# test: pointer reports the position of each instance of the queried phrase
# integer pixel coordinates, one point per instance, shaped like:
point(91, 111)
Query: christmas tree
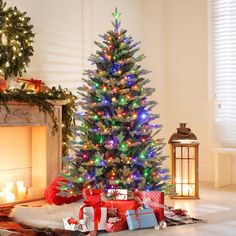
point(116, 145)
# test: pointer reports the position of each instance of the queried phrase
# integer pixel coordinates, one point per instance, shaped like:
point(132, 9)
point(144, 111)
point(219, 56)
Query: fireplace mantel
point(46, 148)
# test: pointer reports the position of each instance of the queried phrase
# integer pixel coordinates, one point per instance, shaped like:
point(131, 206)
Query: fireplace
point(43, 148)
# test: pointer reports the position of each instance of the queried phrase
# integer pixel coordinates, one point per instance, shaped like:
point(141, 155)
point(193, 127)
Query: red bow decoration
point(97, 212)
point(179, 212)
point(72, 221)
point(37, 83)
point(92, 191)
point(115, 194)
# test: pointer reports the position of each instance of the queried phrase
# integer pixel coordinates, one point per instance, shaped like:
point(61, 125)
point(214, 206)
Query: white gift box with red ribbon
point(118, 194)
point(70, 224)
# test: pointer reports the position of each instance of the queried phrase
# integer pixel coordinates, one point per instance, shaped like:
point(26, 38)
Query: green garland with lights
point(15, 42)
point(44, 101)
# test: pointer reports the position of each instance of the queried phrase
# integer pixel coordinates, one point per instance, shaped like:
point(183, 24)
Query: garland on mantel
point(44, 100)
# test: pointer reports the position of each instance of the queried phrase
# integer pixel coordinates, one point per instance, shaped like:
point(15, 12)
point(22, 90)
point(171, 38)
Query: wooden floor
point(218, 206)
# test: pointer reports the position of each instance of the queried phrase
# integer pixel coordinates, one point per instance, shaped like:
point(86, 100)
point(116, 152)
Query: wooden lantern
point(184, 163)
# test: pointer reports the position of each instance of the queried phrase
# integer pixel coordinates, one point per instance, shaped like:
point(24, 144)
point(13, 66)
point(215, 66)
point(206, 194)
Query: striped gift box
point(143, 218)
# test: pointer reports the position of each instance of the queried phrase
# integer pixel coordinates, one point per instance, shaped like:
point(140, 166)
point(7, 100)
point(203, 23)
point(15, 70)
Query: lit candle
point(185, 189)
point(1, 197)
point(178, 186)
point(178, 189)
point(10, 197)
point(10, 185)
point(21, 192)
point(5, 190)
point(19, 183)
point(191, 192)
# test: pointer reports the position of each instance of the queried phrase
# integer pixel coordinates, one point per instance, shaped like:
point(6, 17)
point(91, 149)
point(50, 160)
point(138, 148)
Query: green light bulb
point(142, 156)
point(122, 101)
point(95, 117)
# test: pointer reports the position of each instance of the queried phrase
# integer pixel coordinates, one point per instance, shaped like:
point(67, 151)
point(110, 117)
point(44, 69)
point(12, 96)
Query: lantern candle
point(178, 186)
point(184, 163)
point(185, 189)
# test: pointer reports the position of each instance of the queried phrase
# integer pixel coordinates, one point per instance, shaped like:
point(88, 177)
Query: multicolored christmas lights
point(115, 145)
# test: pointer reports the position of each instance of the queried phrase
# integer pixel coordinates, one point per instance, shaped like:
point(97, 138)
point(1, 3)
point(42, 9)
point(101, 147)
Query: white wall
point(175, 36)
point(186, 52)
point(98, 17)
point(58, 42)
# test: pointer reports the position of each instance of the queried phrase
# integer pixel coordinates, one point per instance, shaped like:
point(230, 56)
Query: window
point(224, 68)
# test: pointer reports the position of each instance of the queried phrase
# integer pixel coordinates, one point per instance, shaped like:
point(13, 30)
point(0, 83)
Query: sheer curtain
point(224, 68)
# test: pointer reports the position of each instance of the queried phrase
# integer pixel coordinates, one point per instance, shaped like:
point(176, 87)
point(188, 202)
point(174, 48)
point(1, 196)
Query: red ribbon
point(96, 209)
point(37, 83)
point(116, 194)
point(71, 221)
point(92, 191)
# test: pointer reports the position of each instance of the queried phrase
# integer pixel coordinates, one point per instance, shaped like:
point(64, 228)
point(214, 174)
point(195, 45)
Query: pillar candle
point(10, 185)
point(19, 183)
point(5, 190)
point(10, 197)
point(1, 197)
point(21, 192)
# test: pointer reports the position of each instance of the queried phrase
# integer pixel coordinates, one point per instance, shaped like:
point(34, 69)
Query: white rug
point(47, 216)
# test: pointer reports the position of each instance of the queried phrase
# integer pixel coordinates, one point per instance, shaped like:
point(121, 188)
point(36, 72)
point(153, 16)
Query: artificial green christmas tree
point(116, 145)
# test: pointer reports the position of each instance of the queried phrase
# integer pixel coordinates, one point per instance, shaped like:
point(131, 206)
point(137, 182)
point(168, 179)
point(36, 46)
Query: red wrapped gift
point(117, 226)
point(31, 84)
point(153, 199)
point(112, 212)
point(122, 206)
point(92, 195)
point(2, 84)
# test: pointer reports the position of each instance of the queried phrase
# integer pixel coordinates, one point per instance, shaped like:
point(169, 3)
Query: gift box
point(117, 194)
point(154, 200)
point(141, 219)
point(92, 195)
point(3, 84)
point(31, 84)
point(116, 226)
point(112, 212)
point(70, 223)
point(92, 218)
point(122, 206)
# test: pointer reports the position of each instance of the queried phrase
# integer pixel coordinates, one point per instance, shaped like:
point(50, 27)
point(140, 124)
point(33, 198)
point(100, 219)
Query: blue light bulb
point(143, 116)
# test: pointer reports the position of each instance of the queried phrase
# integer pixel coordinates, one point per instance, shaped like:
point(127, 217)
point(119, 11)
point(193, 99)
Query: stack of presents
point(120, 210)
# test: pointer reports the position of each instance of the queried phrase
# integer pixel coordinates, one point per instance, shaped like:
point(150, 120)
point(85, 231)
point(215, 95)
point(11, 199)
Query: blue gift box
point(141, 219)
